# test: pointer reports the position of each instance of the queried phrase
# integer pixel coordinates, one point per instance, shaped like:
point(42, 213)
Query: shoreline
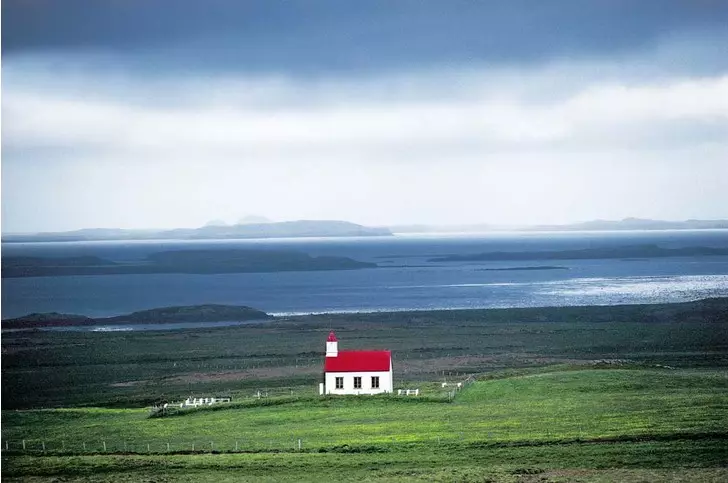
point(285, 315)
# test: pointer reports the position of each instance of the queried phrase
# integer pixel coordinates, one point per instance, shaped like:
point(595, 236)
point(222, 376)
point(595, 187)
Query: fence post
point(148, 448)
point(23, 445)
point(104, 442)
point(43, 443)
point(193, 446)
point(212, 445)
point(167, 447)
point(6, 444)
point(299, 444)
point(236, 445)
point(84, 445)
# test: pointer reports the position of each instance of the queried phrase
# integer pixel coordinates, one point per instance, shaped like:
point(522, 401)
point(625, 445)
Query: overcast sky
point(157, 114)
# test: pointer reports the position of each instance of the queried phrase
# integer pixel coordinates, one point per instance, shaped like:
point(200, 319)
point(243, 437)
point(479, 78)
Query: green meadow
point(633, 393)
point(593, 419)
point(583, 404)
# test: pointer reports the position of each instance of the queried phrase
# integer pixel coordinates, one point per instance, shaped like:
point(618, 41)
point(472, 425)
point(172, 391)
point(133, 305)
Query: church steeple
point(332, 345)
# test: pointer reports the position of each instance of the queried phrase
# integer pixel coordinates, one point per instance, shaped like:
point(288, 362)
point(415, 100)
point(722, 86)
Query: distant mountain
point(165, 315)
point(180, 261)
point(259, 227)
point(285, 229)
point(594, 225)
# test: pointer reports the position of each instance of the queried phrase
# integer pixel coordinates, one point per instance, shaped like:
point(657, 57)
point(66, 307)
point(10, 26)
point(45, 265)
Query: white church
point(355, 372)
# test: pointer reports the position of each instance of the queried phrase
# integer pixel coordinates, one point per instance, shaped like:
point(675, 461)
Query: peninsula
point(179, 261)
point(164, 315)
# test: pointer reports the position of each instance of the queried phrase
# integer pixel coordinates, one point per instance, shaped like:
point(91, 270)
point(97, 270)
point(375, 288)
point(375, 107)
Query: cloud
point(94, 140)
point(329, 36)
point(468, 124)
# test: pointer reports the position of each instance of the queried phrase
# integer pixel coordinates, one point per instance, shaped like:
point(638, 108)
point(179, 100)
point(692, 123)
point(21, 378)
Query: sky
point(163, 114)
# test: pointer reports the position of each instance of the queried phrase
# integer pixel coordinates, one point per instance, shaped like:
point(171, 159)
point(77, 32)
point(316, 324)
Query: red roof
point(359, 361)
point(332, 337)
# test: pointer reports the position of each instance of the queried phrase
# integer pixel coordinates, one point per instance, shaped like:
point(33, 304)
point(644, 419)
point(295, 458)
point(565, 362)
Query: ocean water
point(405, 279)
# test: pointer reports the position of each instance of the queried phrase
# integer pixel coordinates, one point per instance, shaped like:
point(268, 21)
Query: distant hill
point(212, 230)
point(165, 315)
point(284, 229)
point(594, 225)
point(180, 261)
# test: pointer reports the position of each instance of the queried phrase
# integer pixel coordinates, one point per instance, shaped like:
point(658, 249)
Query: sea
point(405, 279)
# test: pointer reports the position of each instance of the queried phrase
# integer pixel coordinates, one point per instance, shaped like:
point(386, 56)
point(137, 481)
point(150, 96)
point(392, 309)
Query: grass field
point(586, 420)
point(584, 404)
point(640, 462)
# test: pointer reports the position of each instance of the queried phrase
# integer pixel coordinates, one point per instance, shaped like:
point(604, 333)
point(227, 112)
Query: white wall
point(385, 382)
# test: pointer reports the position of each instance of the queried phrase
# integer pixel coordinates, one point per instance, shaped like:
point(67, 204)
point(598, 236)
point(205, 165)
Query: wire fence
point(112, 446)
point(258, 445)
point(451, 384)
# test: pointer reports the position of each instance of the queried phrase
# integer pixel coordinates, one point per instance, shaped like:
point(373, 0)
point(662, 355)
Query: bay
point(405, 279)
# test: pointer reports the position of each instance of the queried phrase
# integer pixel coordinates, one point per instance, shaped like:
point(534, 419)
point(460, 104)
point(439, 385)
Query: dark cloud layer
point(334, 35)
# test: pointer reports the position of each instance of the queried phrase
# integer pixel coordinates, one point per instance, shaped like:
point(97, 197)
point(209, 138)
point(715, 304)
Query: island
point(620, 252)
point(180, 261)
point(164, 315)
point(526, 269)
